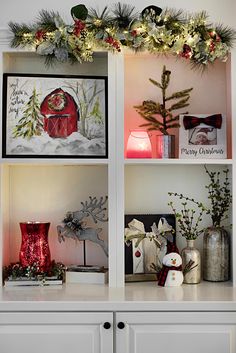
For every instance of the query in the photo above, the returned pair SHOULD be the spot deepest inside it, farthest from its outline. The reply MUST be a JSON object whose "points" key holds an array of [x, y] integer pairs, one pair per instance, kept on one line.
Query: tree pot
{"points": [[165, 146]]}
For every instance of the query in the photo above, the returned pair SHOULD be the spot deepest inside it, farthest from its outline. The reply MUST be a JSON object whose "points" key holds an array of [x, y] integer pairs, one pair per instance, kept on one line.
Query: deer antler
{"points": [[95, 209]]}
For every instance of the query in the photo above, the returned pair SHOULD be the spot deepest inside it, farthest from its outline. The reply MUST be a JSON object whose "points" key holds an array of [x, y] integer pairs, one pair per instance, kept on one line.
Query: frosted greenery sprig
{"points": [[17, 271], [220, 197], [187, 218]]}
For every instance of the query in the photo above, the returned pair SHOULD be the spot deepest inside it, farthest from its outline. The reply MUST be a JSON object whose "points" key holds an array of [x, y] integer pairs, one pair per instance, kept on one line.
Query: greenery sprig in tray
{"points": [[15, 271], [158, 31]]}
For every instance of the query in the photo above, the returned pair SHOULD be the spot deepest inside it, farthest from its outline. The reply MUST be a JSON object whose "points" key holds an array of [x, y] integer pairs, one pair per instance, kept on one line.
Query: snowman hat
{"points": [[171, 247]]}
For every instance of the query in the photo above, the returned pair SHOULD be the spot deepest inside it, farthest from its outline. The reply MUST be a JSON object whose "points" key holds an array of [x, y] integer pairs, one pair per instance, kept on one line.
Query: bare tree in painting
{"points": [[88, 100]]}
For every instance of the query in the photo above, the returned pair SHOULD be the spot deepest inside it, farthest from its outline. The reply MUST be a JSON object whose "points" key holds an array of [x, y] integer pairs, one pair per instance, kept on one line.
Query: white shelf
{"points": [[175, 161], [147, 296]]}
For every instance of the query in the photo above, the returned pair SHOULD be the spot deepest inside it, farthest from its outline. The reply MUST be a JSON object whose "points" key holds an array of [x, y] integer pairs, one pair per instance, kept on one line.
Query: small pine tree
{"points": [[31, 123], [152, 111]]}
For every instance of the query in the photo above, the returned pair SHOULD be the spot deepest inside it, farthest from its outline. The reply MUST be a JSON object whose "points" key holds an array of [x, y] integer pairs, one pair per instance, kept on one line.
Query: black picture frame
{"points": [[147, 220], [54, 116]]}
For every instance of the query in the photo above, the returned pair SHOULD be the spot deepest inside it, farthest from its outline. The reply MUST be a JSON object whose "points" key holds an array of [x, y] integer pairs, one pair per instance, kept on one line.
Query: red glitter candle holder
{"points": [[34, 246]]}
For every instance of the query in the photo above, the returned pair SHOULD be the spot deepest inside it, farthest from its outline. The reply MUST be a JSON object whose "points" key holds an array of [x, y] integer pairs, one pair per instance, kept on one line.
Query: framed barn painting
{"points": [[54, 116]]}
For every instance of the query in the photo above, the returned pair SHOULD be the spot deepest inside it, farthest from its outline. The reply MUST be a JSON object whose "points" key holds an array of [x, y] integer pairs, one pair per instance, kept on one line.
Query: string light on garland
{"points": [[158, 31]]}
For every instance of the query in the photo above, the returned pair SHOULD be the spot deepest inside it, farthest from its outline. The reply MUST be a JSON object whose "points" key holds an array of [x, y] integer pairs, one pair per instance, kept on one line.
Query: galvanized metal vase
{"points": [[190, 253], [216, 254], [165, 146]]}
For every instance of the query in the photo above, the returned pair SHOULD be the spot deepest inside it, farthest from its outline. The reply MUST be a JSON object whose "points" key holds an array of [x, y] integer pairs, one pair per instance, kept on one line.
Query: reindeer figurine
{"points": [[74, 226]]}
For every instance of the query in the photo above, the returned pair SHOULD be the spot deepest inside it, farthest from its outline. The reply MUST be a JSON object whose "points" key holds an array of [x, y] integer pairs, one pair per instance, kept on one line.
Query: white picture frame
{"points": [[202, 141]]}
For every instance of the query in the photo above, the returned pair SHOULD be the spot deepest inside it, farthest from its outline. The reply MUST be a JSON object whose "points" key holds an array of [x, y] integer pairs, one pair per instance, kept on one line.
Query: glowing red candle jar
{"points": [[34, 246], [139, 145]]}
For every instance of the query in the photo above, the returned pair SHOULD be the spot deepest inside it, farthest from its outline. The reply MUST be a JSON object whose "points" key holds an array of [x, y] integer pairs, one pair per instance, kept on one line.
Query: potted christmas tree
{"points": [[160, 117]]}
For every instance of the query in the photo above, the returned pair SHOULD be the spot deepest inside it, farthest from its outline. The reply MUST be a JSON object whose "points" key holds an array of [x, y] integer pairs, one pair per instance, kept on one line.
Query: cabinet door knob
{"points": [[107, 325], [120, 325]]}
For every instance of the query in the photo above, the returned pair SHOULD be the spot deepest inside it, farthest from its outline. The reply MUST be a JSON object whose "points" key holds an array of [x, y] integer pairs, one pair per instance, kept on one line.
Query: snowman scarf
{"points": [[164, 272]]}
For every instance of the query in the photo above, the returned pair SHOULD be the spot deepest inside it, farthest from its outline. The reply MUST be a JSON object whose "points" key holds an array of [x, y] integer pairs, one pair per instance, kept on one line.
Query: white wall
{"points": [[27, 10], [47, 193]]}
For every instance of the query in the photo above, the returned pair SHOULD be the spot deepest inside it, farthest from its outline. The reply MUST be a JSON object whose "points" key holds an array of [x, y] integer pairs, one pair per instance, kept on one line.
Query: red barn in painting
{"points": [[60, 113]]}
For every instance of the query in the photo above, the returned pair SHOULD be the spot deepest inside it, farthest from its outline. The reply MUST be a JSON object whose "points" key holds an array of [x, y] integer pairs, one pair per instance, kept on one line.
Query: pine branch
{"points": [[173, 15], [153, 122], [149, 118], [180, 104], [99, 21], [123, 15], [19, 30], [50, 61], [165, 78], [173, 126], [180, 94], [227, 34], [199, 18], [46, 20], [175, 118], [156, 83], [149, 107]]}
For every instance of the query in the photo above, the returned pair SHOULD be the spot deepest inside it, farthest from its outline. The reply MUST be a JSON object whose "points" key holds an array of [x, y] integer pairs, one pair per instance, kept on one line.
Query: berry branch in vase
{"points": [[220, 197], [188, 218]]}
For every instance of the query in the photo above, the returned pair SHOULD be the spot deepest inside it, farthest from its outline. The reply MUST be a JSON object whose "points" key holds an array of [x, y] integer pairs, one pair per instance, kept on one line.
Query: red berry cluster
{"points": [[215, 36], [134, 33], [113, 42], [40, 34], [212, 46], [187, 51], [78, 27]]}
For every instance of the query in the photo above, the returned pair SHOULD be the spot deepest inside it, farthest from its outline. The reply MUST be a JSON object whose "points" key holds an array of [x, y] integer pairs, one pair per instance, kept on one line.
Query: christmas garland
{"points": [[158, 31]]}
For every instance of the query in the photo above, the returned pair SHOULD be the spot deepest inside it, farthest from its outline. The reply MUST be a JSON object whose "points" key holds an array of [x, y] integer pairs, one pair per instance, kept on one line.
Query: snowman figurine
{"points": [[171, 273]]}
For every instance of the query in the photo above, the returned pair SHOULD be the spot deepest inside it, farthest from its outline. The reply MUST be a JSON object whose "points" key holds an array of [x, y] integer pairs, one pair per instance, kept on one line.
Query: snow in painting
{"points": [[56, 116]]}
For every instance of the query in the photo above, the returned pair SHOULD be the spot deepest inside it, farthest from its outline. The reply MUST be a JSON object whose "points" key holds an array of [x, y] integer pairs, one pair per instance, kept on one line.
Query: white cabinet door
{"points": [[175, 332], [56, 332]]}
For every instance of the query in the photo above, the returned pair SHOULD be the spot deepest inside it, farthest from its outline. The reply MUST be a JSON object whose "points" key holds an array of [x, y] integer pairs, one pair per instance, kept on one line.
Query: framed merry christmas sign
{"points": [[54, 116], [202, 136]]}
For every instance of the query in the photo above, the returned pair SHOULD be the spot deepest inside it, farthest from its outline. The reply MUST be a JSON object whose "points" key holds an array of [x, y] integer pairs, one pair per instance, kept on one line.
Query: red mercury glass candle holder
{"points": [[34, 246], [139, 145]]}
